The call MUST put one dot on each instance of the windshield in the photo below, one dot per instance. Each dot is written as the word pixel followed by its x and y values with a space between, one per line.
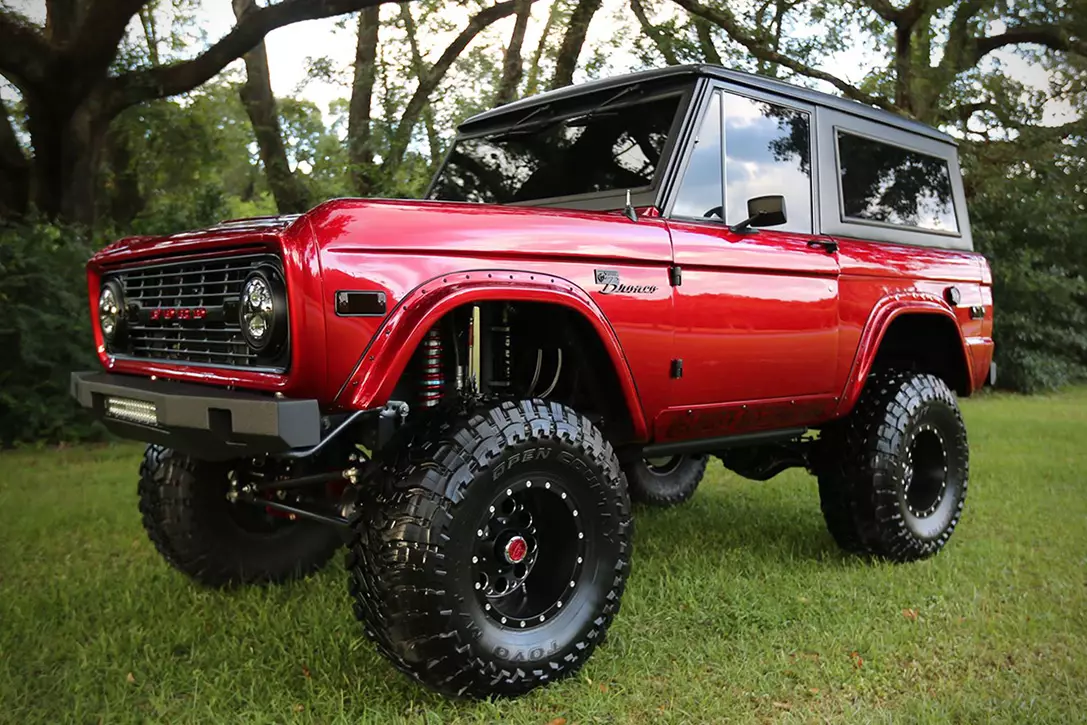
pixel 605 148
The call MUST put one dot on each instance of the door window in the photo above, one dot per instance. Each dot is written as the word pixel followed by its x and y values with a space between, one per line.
pixel 768 151
pixel 700 192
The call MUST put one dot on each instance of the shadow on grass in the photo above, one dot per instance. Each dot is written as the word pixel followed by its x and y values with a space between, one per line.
pixel 772 530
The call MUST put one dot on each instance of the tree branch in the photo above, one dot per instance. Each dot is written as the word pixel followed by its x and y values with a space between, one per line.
pixel 704 31
pixel 429 83
pixel 660 40
pixel 24 54
pixel 260 106
pixel 572 41
pixel 98 36
pixel 134 87
pixel 724 19
pixel 419 69
pixel 513 67
pixel 14 168
pixel 1053 37
pixel 360 151
pixel 533 82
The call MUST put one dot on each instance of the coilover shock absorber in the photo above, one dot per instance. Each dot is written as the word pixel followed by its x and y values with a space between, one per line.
pixel 433 380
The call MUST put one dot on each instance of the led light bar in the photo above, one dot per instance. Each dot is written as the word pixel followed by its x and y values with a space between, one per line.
pixel 133 411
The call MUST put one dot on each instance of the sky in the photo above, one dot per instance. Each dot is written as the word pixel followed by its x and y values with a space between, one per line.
pixel 289 48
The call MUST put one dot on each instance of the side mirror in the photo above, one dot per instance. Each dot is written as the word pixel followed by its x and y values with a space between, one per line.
pixel 762 211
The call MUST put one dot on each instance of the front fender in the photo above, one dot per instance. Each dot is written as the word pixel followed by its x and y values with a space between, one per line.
pixel 879 321
pixel 383 361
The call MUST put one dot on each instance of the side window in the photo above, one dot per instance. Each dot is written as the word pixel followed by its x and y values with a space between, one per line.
pixel 700 191
pixel 893 185
pixel 767 151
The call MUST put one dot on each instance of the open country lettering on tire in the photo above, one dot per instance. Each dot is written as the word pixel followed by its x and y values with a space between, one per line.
pixel 472 409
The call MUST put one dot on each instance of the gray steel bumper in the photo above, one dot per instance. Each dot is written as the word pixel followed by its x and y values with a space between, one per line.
pixel 213 423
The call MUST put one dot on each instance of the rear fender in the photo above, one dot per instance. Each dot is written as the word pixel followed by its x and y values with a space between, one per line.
pixel 879 321
pixel 383 362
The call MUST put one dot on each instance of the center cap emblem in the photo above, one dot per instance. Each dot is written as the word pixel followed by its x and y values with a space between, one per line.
pixel 516 549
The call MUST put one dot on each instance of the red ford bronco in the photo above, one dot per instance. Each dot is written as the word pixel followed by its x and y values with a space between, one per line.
pixel 605 285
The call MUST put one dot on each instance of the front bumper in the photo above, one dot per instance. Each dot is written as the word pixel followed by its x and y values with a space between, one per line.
pixel 212 423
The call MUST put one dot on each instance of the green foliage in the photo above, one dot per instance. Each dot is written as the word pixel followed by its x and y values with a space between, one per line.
pixel 191 161
pixel 1029 218
pixel 45 333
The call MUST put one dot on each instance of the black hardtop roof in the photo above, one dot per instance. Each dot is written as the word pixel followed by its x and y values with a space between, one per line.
pixel 715 71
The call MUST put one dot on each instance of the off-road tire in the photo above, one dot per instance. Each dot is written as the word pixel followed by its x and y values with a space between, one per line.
pixel 835 489
pixel 414 575
pixel 187 516
pixel 667 485
pixel 895 475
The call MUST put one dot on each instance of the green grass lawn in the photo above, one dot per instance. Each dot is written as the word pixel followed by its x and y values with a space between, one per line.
pixel 739 608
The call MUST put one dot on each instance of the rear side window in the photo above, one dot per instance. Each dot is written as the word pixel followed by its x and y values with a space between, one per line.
pixel 893 185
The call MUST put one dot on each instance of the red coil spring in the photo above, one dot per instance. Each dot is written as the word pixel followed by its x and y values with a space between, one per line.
pixel 433 380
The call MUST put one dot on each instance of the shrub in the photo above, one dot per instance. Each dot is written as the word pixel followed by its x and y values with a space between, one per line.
pixel 1028 218
pixel 45 332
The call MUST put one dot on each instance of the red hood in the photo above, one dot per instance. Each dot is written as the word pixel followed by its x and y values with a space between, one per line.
pixel 256 232
pixel 398 226
pixel 449 228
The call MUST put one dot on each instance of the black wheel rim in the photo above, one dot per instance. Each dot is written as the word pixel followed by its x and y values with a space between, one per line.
pixel 529 553
pixel 663 466
pixel 926 472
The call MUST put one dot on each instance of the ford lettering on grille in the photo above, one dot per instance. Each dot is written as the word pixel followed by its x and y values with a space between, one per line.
pixel 187 311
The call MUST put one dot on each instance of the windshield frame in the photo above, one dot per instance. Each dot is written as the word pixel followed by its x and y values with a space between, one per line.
pixel 531 116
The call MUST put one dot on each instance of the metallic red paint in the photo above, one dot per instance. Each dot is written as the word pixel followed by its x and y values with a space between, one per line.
pixel 773 332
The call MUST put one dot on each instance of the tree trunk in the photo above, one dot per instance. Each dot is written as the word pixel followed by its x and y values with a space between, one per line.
pixel 14 170
pixel 67 147
pixel 533 83
pixel 512 66
pixel 572 42
pixel 704 31
pixel 66 72
pixel 661 39
pixel 419 100
pixel 124 197
pixel 260 106
pixel 360 151
pixel 419 70
pixel 903 67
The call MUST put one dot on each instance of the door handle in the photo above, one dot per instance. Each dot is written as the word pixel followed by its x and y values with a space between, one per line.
pixel 829 245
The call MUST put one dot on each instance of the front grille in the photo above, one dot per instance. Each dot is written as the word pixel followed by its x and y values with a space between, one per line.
pixel 187 311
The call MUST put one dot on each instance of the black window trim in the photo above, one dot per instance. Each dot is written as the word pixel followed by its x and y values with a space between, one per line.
pixel 640 196
pixel 836 131
pixel 689 153
pixel 755 95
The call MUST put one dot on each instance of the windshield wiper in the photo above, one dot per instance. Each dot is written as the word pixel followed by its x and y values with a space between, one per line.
pixel 523 127
pixel 607 102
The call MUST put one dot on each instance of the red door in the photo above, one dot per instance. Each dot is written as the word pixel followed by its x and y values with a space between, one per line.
pixel 756 312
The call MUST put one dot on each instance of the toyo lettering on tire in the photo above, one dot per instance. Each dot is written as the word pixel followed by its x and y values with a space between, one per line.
pixel 494 561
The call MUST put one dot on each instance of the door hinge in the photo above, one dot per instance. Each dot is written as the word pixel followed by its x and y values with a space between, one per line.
pixel 675 275
pixel 677 368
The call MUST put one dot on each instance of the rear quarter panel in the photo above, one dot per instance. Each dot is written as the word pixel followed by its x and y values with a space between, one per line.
pixel 874 273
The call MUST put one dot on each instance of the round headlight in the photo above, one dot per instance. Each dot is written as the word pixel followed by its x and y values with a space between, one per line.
pixel 263 310
pixel 111 310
